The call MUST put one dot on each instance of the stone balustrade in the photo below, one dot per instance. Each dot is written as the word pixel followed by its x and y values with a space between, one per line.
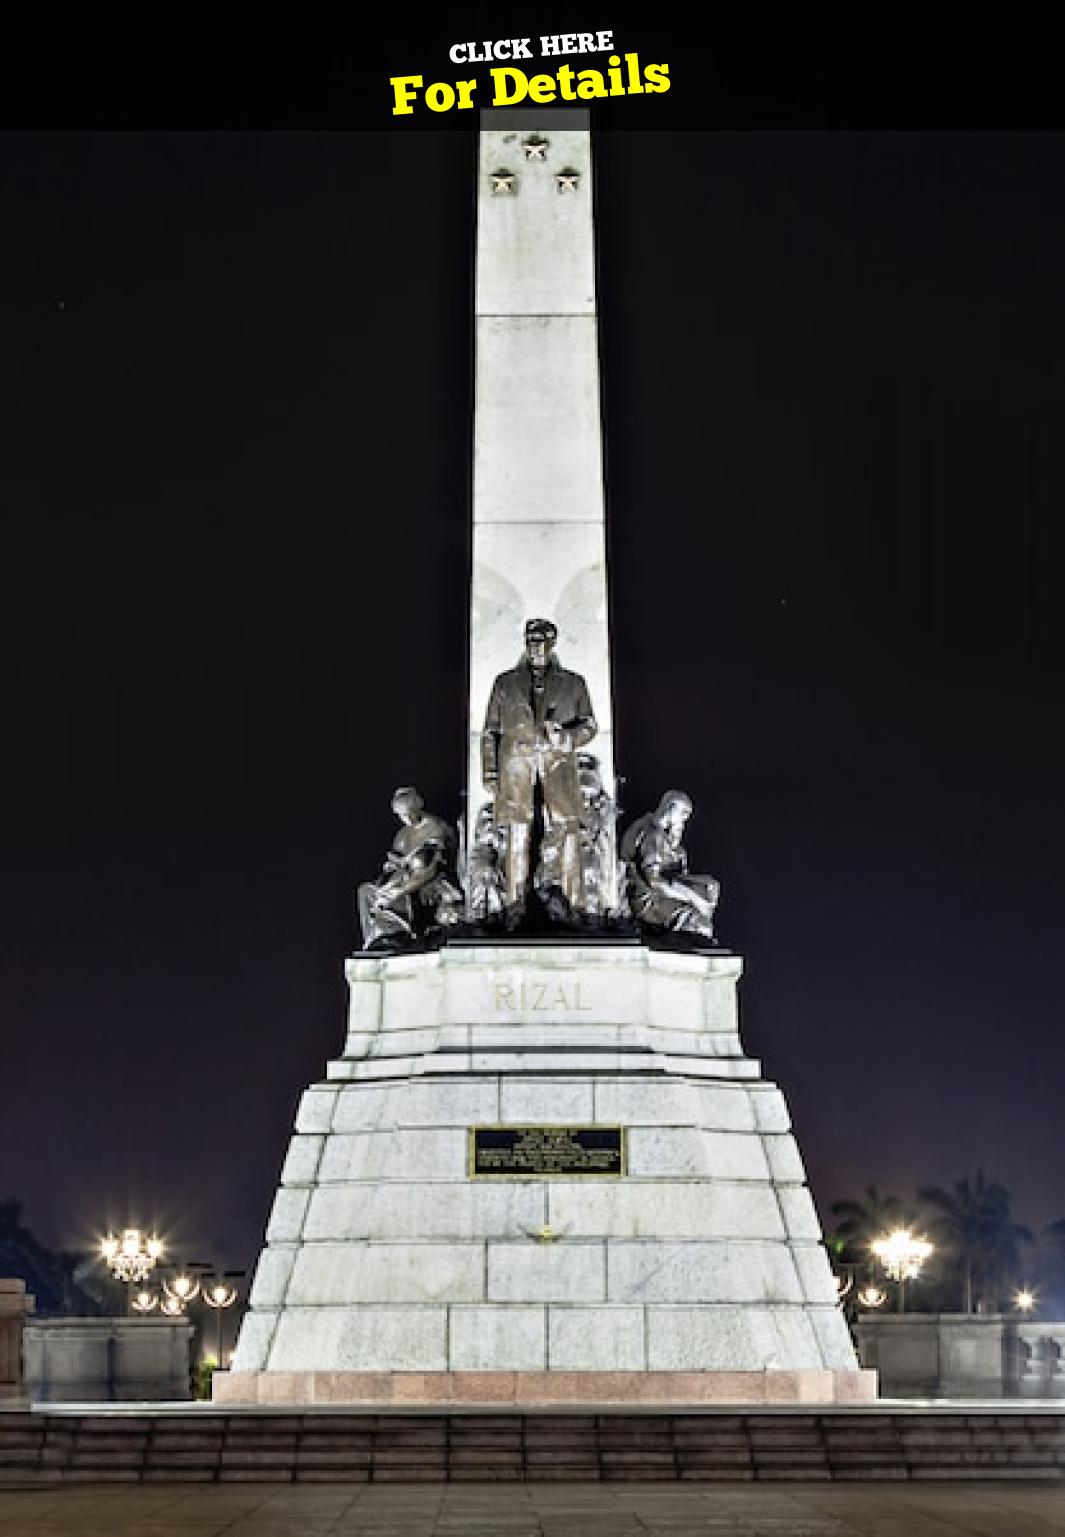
pixel 962 1355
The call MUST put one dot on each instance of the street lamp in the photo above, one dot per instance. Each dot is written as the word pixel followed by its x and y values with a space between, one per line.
pixel 180 1290
pixel 219 1295
pixel 1024 1300
pixel 144 1301
pixel 902 1256
pixel 872 1297
pixel 131 1258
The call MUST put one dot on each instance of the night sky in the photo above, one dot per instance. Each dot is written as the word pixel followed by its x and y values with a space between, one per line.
pixel 237 388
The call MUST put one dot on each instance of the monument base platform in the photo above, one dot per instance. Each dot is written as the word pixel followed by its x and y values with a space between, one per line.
pixel 543 1174
pixel 554 1389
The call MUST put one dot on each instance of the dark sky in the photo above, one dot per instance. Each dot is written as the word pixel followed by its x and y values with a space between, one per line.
pixel 236 381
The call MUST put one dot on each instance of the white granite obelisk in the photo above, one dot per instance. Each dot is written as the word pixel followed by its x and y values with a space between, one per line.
pixel 541 1172
pixel 538 510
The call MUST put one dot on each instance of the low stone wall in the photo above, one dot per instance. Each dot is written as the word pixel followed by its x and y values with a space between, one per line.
pixel 963 1355
pixel 95 1360
pixel 419 1447
pixel 14 1306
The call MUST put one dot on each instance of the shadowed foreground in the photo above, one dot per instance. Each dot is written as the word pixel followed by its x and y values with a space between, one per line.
pixel 559 1510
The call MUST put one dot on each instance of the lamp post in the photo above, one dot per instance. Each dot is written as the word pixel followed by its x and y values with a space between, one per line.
pixel 131 1258
pixel 180 1289
pixel 902 1256
pixel 219 1295
pixel 872 1297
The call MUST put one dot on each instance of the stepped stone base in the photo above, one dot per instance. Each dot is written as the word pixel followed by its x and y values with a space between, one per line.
pixel 394 1271
pixel 530 1389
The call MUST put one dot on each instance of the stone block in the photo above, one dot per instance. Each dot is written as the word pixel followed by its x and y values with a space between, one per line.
pixel 425 1211
pixel 494 1338
pixel 368 1339
pixel 834 1337
pixel 410 1153
pixel 546 1101
pixel 272 1275
pixel 730 1338
pixel 364 1004
pixel 782 1155
pixel 337 1274
pixel 301 1161
pixel 665 1209
pixel 589 1339
pixel 286 1218
pixel 653 1271
pixel 815 1274
pixel 675 1102
pixel 770 1109
pixel 665 1152
pixel 798 1207
pixel 538 1272
pixel 367 1107
pixel 316 1108
pixel 256 1334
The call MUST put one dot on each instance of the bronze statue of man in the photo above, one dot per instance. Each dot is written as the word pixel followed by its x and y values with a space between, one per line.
pixel 538 716
pixel 416 888
pixel 662 892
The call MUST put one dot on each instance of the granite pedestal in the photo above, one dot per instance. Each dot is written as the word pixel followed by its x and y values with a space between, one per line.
pixel 391 1272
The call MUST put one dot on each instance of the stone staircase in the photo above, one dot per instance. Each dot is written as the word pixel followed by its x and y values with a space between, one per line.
pixel 50 1448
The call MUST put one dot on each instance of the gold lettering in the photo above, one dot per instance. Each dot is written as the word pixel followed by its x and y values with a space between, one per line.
pixel 538 1002
pixel 504 996
pixel 561 1001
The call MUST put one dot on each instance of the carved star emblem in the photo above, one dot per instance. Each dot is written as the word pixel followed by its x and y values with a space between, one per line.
pixel 535 149
pixel 503 183
pixel 568 181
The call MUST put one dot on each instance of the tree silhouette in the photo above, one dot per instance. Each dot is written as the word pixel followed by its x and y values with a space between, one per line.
pixel 974 1230
pixel 861 1221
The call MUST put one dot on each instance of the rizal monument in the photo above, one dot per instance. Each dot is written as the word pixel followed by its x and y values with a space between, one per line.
pixel 542 1169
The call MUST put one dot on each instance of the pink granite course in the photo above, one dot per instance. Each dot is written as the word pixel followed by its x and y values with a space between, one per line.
pixel 544 1388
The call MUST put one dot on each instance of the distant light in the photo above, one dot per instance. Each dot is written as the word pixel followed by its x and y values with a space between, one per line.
pixel 220 1295
pixel 181 1288
pixel 1024 1301
pixel 872 1297
pixel 144 1301
pixel 901 1254
pixel 131 1258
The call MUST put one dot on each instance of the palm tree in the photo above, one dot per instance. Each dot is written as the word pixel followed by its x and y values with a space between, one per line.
pixel 1051 1260
pixel 973 1225
pixel 860 1222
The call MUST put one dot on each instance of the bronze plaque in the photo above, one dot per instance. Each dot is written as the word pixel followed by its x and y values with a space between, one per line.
pixel 546 1152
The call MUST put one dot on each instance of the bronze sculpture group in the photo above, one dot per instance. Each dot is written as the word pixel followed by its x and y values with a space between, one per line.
pixel 543 849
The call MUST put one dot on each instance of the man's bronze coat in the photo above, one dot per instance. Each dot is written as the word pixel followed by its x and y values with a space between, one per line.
pixel 514 751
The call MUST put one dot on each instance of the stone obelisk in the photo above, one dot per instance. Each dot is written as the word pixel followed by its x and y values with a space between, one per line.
pixel 538 509
pixel 542 1170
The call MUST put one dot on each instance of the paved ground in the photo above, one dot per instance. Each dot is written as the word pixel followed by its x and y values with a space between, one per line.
pixel 559 1510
